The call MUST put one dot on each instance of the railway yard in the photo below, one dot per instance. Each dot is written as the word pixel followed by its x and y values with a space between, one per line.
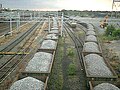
pixel 57 52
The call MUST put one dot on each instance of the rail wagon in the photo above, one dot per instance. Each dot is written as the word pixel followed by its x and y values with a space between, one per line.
pixel 91 38
pixel 91 47
pixel 92 63
pixel 97 85
pixel 42 75
pixel 51 37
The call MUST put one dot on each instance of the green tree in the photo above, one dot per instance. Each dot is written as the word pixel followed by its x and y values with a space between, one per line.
pixel 110 29
pixel 116 33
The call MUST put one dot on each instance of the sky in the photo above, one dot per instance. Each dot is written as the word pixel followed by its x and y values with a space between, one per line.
pixel 101 5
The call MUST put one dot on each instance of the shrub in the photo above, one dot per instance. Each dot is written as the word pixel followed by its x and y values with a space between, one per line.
pixel 116 33
pixel 70 52
pixel 109 30
pixel 71 69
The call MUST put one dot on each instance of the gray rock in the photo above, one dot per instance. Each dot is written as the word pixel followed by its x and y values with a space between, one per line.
pixel 91 38
pixel 96 66
pixel 106 86
pixel 28 83
pixel 51 36
pixel 91 47
pixel 39 63
pixel 48 44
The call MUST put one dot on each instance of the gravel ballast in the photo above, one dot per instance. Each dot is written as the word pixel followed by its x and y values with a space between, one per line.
pixel 39 63
pixel 106 86
pixel 91 47
pixel 91 38
pixel 28 83
pixel 48 44
pixel 96 66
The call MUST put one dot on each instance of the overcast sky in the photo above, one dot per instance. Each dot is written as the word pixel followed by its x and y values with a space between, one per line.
pixel 58 4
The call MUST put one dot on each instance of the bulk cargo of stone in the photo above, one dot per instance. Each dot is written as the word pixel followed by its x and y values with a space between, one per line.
pixel 51 36
pixel 39 63
pixel 106 86
pixel 54 28
pixel 90 33
pixel 48 44
pixel 90 27
pixel 28 83
pixel 91 47
pixel 54 32
pixel 91 38
pixel 95 66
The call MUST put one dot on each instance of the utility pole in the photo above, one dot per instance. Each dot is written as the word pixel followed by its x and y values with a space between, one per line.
pixel 34 14
pixel 10 24
pixel 49 24
pixel 62 24
pixel 39 15
pixel 18 21
pixel 31 16
pixel 23 14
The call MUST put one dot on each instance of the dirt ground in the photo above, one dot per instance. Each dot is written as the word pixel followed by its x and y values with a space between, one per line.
pixel 111 51
pixel 114 47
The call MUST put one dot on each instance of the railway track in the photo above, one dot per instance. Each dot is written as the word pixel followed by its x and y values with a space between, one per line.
pixel 6 28
pixel 7 68
pixel 18 40
pixel 78 44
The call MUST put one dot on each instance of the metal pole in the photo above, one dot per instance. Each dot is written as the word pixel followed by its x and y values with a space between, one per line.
pixel 49 24
pixel 39 15
pixel 57 15
pixel 31 16
pixel 10 25
pixel 62 24
pixel 23 14
pixel 112 9
pixel 18 22
pixel 34 15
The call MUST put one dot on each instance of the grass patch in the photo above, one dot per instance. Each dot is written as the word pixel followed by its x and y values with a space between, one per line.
pixel 72 69
pixel 70 52
pixel 55 81
pixel 108 38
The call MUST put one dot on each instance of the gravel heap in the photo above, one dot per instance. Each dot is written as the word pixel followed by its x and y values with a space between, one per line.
pixel 40 62
pixel 51 36
pixel 91 47
pixel 96 66
pixel 90 27
pixel 48 44
pixel 91 38
pixel 28 83
pixel 54 32
pixel 90 33
pixel 54 28
pixel 106 86
pixel 54 22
